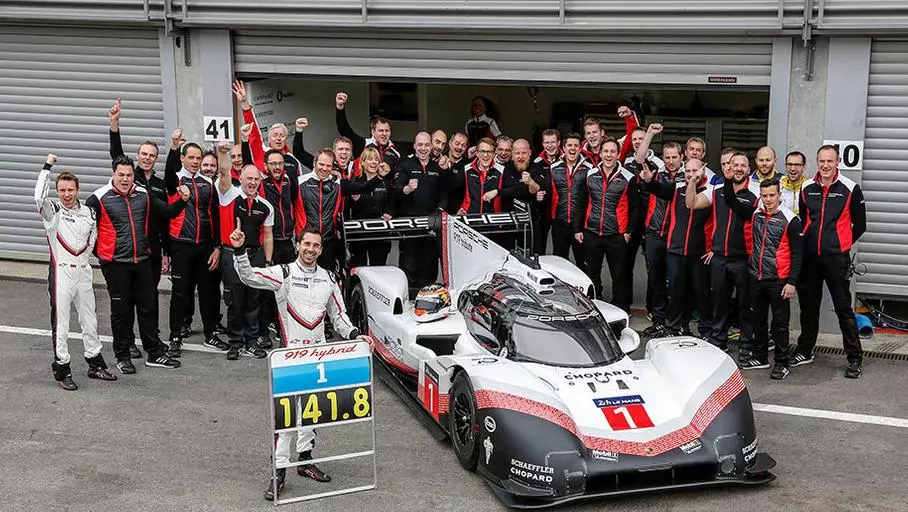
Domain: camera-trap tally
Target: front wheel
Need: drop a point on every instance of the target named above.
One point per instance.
(462, 422)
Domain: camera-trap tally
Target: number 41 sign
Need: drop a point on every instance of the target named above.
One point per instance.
(218, 128)
(319, 386)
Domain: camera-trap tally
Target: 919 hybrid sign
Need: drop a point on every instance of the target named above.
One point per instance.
(851, 152)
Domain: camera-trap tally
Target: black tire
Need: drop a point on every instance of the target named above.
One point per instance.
(463, 424)
(357, 312)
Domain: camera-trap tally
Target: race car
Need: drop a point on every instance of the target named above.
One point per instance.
(532, 380)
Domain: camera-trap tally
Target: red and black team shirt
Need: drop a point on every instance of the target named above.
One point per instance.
(732, 236)
(687, 228)
(607, 201)
(253, 213)
(478, 182)
(564, 181)
(833, 217)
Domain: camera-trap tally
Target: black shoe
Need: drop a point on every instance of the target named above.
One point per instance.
(162, 362)
(272, 327)
(220, 329)
(233, 353)
(217, 343)
(771, 346)
(799, 359)
(126, 367)
(264, 342)
(269, 492)
(753, 364)
(854, 370)
(100, 373)
(654, 330)
(134, 352)
(68, 384)
(253, 352)
(185, 331)
(311, 471)
(779, 372)
(176, 348)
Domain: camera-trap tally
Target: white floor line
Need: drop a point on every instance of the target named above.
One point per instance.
(192, 347)
(770, 408)
(833, 415)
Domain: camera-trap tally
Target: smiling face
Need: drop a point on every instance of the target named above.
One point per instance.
(458, 145)
(192, 159)
(274, 163)
(250, 180)
(485, 154)
(794, 166)
(382, 133)
(147, 156)
(68, 193)
(593, 134)
(504, 150)
(741, 167)
(124, 177)
(310, 248)
(324, 164)
(479, 107)
(522, 154)
(343, 150)
(766, 161)
(422, 146)
(277, 137)
(439, 143)
(571, 149)
(609, 154)
(550, 144)
(209, 165)
(827, 164)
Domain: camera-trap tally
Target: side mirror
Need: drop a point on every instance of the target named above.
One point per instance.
(629, 340)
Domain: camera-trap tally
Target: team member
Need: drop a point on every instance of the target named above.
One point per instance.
(439, 145)
(480, 125)
(120, 209)
(419, 185)
(158, 238)
(303, 310)
(71, 232)
(459, 160)
(531, 189)
(482, 181)
(608, 197)
(320, 200)
(793, 181)
(381, 135)
(775, 265)
(686, 246)
(730, 245)
(542, 221)
(564, 178)
(551, 149)
(376, 204)
(834, 217)
(277, 137)
(695, 149)
(194, 254)
(243, 209)
(210, 169)
(504, 149)
(594, 133)
(766, 165)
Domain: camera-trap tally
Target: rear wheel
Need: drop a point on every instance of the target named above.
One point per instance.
(357, 311)
(462, 422)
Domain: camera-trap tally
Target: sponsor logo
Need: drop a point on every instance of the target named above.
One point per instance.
(490, 424)
(624, 412)
(487, 444)
(319, 353)
(568, 318)
(533, 472)
(604, 455)
(750, 451)
(378, 295)
(618, 401)
(384, 225)
(467, 238)
(602, 377)
(691, 447)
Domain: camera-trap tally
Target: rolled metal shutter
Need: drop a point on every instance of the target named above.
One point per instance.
(884, 249)
(487, 57)
(55, 89)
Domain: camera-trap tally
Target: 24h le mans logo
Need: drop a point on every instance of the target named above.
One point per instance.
(624, 412)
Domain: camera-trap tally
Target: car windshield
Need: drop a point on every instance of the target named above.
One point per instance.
(577, 341)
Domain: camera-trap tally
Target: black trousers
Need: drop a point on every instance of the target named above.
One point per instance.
(725, 275)
(369, 253)
(612, 248)
(541, 225)
(831, 269)
(132, 294)
(419, 261)
(188, 270)
(687, 275)
(333, 255)
(632, 248)
(282, 252)
(563, 241)
(243, 308)
(767, 297)
(655, 252)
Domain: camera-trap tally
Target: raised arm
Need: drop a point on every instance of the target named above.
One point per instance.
(45, 206)
(256, 146)
(224, 179)
(116, 144)
(743, 210)
(172, 165)
(663, 190)
(343, 126)
(630, 124)
(305, 158)
(263, 278)
(694, 200)
(651, 132)
(170, 210)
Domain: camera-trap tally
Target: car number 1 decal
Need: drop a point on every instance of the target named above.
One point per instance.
(624, 412)
(430, 392)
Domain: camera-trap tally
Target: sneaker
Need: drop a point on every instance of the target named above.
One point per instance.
(779, 372)
(163, 362)
(126, 367)
(771, 345)
(264, 342)
(100, 373)
(733, 334)
(185, 332)
(176, 348)
(233, 353)
(854, 370)
(649, 316)
(799, 359)
(272, 327)
(312, 471)
(68, 384)
(220, 329)
(217, 343)
(269, 492)
(654, 330)
(134, 352)
(253, 352)
(753, 364)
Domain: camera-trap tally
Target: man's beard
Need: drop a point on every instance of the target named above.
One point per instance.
(521, 167)
(738, 181)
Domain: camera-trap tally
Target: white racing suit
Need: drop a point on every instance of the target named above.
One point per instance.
(71, 235)
(304, 296)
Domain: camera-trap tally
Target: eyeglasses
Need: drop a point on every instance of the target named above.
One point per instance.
(793, 164)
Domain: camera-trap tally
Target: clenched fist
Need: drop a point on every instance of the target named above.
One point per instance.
(655, 129)
(340, 100)
(301, 124)
(176, 139)
(245, 131)
(51, 159)
(184, 192)
(114, 113)
(624, 111)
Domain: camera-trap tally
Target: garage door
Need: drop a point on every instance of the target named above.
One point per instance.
(884, 249)
(486, 57)
(55, 89)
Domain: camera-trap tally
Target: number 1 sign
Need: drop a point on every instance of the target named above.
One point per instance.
(324, 385)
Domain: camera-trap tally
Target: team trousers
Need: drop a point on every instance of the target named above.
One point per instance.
(612, 248)
(687, 275)
(726, 274)
(767, 297)
(655, 252)
(563, 241)
(188, 270)
(132, 295)
(243, 308)
(833, 270)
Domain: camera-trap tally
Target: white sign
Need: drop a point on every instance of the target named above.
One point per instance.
(851, 152)
(218, 128)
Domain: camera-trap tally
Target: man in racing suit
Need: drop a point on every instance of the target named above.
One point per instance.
(71, 233)
(305, 294)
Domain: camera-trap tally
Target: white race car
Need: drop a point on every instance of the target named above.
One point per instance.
(532, 381)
